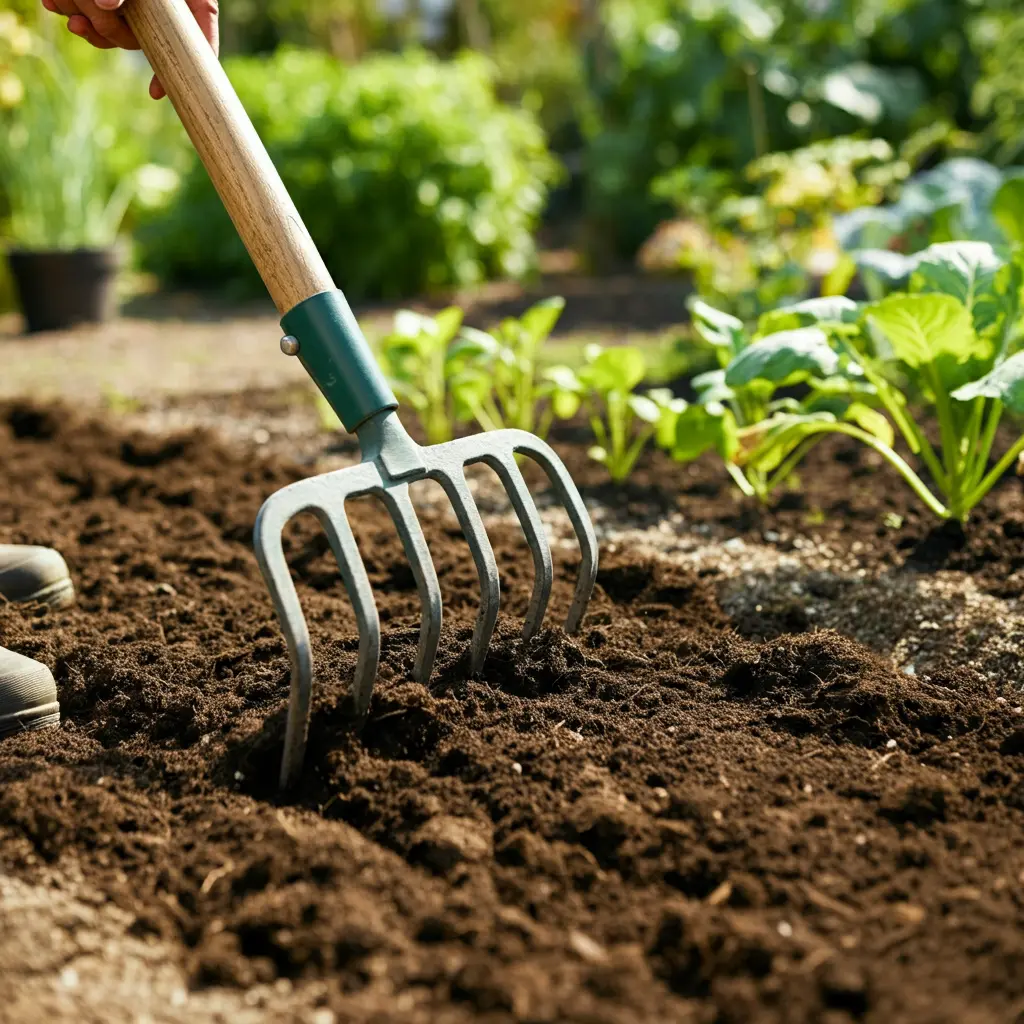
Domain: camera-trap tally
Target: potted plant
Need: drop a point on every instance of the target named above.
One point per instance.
(59, 211)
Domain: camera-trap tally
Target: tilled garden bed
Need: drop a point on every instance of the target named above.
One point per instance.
(707, 806)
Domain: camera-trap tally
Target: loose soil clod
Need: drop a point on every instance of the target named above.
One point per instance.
(657, 820)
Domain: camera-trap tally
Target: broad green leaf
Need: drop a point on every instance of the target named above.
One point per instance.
(409, 324)
(670, 409)
(966, 270)
(785, 356)
(830, 309)
(620, 368)
(539, 321)
(446, 324)
(1005, 382)
(644, 408)
(886, 270)
(871, 421)
(699, 430)
(718, 328)
(565, 404)
(564, 378)
(711, 387)
(921, 328)
(1008, 209)
(472, 343)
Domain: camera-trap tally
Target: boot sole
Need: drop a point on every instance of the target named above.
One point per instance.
(46, 716)
(57, 595)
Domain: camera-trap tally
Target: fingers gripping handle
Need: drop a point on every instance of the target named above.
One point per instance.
(230, 149)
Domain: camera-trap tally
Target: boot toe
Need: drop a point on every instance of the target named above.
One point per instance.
(28, 694)
(29, 573)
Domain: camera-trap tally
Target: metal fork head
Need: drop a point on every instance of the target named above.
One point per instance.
(391, 461)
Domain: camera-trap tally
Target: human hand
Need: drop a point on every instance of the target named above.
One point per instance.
(100, 22)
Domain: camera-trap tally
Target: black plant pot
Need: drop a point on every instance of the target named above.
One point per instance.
(61, 289)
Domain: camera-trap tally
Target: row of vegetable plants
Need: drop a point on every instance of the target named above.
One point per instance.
(923, 373)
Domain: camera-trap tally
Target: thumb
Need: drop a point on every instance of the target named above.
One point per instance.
(108, 5)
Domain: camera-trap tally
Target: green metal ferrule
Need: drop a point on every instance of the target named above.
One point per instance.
(337, 356)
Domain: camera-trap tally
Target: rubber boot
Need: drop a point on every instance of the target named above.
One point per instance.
(28, 694)
(34, 574)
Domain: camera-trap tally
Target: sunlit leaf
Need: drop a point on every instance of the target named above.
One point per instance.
(1005, 382)
(717, 328)
(871, 421)
(539, 321)
(699, 429)
(921, 328)
(830, 309)
(1008, 209)
(620, 368)
(784, 356)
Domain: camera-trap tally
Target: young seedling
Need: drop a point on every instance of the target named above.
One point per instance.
(623, 422)
(499, 382)
(420, 363)
(761, 433)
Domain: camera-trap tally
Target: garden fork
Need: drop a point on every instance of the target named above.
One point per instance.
(322, 332)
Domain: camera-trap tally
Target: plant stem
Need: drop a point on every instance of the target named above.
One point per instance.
(992, 478)
(790, 463)
(916, 483)
(985, 444)
(740, 480)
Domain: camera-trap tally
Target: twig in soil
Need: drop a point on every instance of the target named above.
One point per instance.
(808, 756)
(882, 760)
(216, 875)
(288, 828)
(825, 902)
(816, 958)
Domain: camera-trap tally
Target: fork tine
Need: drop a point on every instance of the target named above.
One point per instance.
(569, 494)
(360, 593)
(468, 514)
(536, 538)
(400, 506)
(267, 541)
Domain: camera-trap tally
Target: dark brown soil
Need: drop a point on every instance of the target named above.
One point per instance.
(654, 821)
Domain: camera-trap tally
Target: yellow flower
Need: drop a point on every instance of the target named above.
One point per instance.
(12, 92)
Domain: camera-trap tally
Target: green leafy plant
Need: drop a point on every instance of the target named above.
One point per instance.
(78, 157)
(409, 172)
(750, 253)
(622, 421)
(417, 360)
(498, 379)
(962, 199)
(951, 341)
(53, 178)
(749, 410)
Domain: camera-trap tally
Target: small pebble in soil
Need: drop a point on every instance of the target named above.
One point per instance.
(586, 948)
(69, 978)
(861, 839)
(239, 776)
(891, 745)
(1001, 700)
(785, 929)
(808, 788)
(260, 435)
(323, 1016)
(910, 670)
(517, 768)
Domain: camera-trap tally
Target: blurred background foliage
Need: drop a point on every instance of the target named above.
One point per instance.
(420, 166)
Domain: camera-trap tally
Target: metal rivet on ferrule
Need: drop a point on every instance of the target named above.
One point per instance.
(290, 345)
